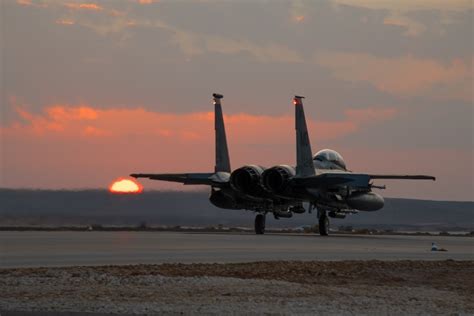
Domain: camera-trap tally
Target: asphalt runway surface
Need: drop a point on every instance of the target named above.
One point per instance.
(35, 249)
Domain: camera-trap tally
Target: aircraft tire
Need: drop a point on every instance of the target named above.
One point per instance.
(260, 224)
(324, 224)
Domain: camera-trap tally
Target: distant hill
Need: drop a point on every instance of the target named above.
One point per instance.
(86, 207)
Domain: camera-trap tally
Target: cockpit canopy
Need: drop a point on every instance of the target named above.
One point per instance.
(328, 157)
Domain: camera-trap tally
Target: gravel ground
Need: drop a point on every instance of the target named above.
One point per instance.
(279, 287)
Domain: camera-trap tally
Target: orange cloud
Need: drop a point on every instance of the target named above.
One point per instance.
(74, 143)
(94, 131)
(83, 6)
(24, 2)
(79, 121)
(404, 76)
(55, 119)
(30, 3)
(82, 146)
(299, 18)
(61, 113)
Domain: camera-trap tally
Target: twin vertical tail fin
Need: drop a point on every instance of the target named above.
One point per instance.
(304, 156)
(222, 152)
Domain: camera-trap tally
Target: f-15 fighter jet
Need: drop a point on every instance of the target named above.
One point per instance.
(321, 180)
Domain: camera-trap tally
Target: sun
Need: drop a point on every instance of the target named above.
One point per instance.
(122, 185)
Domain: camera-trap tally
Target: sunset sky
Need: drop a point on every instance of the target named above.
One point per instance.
(93, 91)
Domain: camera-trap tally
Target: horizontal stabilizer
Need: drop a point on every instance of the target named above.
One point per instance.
(187, 178)
(401, 177)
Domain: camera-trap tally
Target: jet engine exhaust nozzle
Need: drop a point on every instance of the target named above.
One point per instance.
(247, 179)
(276, 179)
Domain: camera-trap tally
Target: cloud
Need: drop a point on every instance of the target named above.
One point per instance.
(193, 44)
(269, 52)
(65, 21)
(24, 2)
(106, 20)
(62, 113)
(82, 144)
(147, 1)
(413, 28)
(30, 3)
(110, 26)
(409, 5)
(370, 114)
(82, 121)
(190, 43)
(55, 119)
(399, 10)
(83, 6)
(403, 76)
(298, 10)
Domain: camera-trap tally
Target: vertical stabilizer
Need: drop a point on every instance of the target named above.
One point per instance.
(304, 156)
(222, 153)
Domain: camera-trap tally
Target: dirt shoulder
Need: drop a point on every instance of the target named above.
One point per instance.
(370, 287)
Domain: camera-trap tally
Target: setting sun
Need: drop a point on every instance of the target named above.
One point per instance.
(122, 185)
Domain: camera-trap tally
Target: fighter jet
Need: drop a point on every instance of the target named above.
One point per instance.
(322, 180)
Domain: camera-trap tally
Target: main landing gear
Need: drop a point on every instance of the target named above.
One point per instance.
(260, 224)
(323, 223)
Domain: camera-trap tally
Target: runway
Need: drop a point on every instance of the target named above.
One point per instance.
(35, 249)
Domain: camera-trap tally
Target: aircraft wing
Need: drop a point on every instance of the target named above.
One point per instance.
(352, 179)
(332, 179)
(401, 177)
(214, 179)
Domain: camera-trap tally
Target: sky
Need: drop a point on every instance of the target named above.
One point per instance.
(93, 91)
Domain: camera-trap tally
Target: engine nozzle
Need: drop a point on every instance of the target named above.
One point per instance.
(276, 179)
(247, 179)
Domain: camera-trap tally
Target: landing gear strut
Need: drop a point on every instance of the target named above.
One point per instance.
(260, 224)
(323, 223)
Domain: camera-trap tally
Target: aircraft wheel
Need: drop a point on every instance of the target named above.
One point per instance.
(324, 224)
(260, 224)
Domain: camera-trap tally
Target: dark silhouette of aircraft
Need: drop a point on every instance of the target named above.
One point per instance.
(322, 180)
